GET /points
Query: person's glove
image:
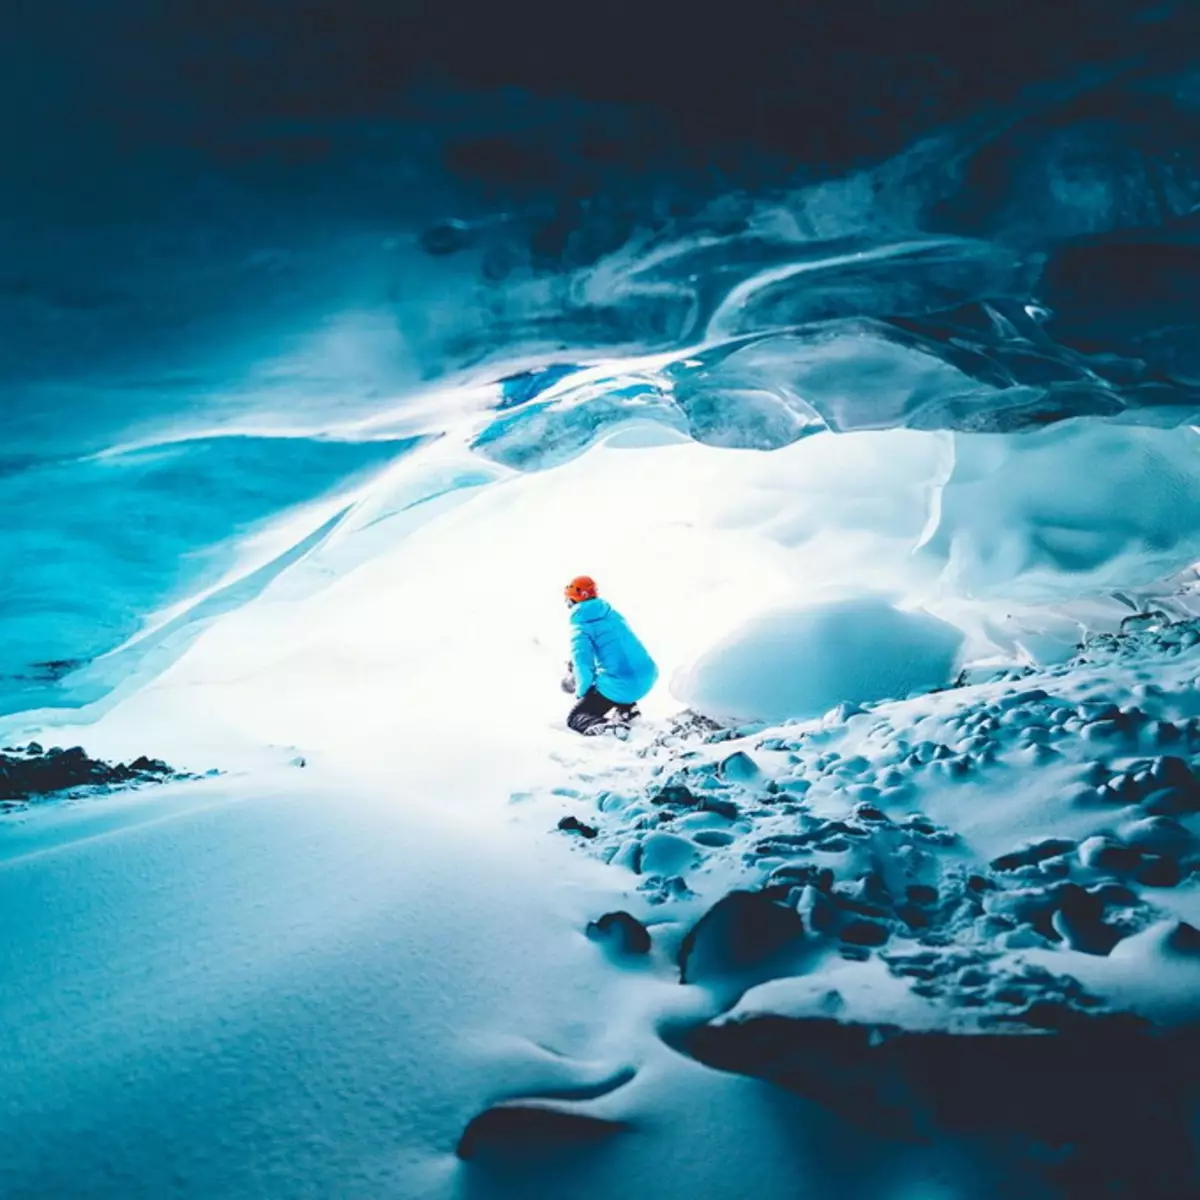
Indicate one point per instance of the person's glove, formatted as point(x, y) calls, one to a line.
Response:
point(568, 680)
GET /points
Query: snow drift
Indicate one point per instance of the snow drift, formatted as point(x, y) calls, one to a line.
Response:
point(799, 662)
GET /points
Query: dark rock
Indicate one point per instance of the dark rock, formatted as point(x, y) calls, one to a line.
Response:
point(521, 1128)
point(1112, 1087)
point(1115, 895)
point(867, 812)
point(712, 837)
point(676, 794)
point(1158, 835)
point(1171, 771)
point(921, 893)
point(741, 932)
point(149, 766)
point(1173, 801)
point(621, 931)
point(446, 237)
point(1079, 920)
point(1033, 854)
point(817, 910)
point(575, 825)
point(861, 932)
point(1184, 939)
point(34, 772)
point(1104, 854)
point(720, 806)
point(1159, 871)
point(913, 916)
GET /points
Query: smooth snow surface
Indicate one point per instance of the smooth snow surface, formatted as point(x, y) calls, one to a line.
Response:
point(799, 662)
point(292, 987)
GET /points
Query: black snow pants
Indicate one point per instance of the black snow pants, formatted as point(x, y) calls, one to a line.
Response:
point(591, 710)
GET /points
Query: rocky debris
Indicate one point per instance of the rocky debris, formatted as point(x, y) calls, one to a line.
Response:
point(861, 932)
point(573, 824)
point(621, 932)
point(964, 977)
point(1153, 634)
point(1112, 1089)
point(687, 726)
point(1033, 854)
point(823, 820)
point(677, 797)
point(520, 1129)
point(742, 932)
point(29, 771)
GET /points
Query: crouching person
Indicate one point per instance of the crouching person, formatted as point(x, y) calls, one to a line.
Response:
point(610, 668)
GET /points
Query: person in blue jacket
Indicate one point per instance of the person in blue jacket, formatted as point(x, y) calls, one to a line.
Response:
point(610, 669)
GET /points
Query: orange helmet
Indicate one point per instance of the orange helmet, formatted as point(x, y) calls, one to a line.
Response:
point(582, 587)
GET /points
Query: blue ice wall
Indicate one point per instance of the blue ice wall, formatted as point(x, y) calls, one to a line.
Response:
point(228, 232)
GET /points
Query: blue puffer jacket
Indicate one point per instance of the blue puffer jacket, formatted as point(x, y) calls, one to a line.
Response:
point(607, 655)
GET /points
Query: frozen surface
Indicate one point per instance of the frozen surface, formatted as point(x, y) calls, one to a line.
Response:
point(311, 973)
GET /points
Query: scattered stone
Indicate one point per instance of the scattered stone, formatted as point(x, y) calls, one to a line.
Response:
point(575, 825)
point(521, 1128)
point(867, 812)
point(864, 933)
point(1173, 801)
point(1034, 853)
point(1158, 835)
point(713, 838)
point(742, 931)
point(1170, 771)
point(1159, 871)
point(1105, 854)
point(1079, 921)
point(1184, 939)
point(622, 931)
point(30, 771)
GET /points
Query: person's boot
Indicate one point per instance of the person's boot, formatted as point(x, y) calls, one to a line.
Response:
point(607, 725)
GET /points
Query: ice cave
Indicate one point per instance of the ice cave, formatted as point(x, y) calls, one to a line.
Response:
point(849, 352)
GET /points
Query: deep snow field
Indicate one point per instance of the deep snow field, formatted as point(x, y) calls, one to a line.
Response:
point(919, 888)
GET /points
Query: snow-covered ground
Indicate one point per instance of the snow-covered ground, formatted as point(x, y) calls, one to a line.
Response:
point(309, 974)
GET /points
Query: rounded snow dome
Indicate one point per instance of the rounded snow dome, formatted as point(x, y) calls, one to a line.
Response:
point(798, 662)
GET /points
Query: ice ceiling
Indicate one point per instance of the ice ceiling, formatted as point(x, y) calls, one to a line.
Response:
point(251, 254)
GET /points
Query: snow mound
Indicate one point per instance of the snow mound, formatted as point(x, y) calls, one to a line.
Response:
point(798, 662)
